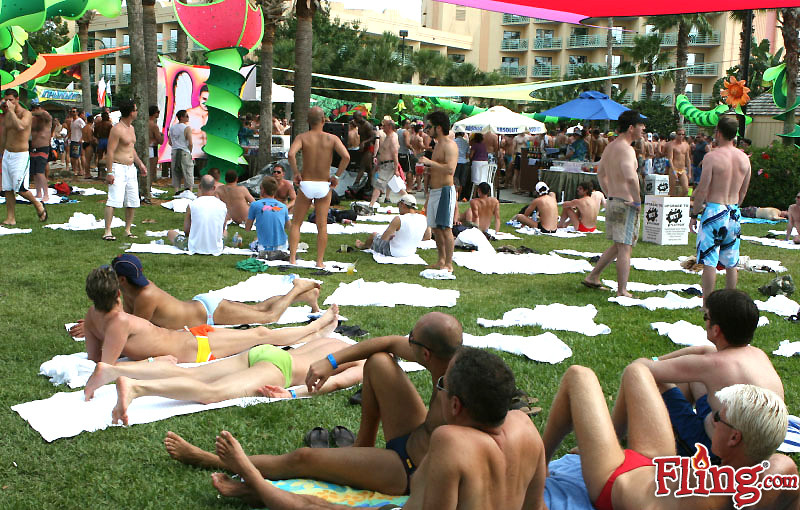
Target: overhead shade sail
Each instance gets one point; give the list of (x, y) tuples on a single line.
[(49, 62)]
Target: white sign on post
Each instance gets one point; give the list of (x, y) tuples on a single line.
[(656, 184), (666, 220)]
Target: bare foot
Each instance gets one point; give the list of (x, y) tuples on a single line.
[(229, 487), (124, 398), (102, 375), (8, 223), (184, 451), (360, 245), (310, 297), (624, 293), (232, 455), (437, 267), (328, 322), (303, 285)]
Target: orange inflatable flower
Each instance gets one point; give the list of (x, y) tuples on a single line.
[(735, 93)]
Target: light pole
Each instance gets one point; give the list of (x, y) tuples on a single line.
[(403, 34)]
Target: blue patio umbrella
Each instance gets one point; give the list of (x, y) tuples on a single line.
[(590, 105)]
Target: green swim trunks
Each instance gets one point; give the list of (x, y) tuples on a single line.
[(271, 354)]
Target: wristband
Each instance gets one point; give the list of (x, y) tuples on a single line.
[(654, 358), (293, 394), (150, 360), (333, 361)]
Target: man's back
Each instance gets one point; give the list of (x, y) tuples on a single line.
[(485, 208), (116, 333), (271, 217), (618, 170), (162, 309), (730, 175), (588, 208), (739, 365), (504, 469), (548, 211), (492, 142), (235, 198), (208, 223), (317, 147)]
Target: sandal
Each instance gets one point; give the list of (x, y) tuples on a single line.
[(342, 437), (109, 238), (132, 236), (43, 214), (317, 438), (594, 286)]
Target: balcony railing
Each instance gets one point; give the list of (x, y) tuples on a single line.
[(542, 20), (711, 69), (513, 19), (126, 52), (514, 71), (514, 45), (657, 96), (627, 98), (547, 43), (587, 41), (624, 40), (545, 71), (698, 98), (572, 69), (124, 78), (671, 39)]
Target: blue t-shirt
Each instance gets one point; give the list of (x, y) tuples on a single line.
[(270, 216)]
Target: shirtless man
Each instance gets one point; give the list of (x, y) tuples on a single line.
[(285, 192), (316, 181), (442, 197), (262, 370), (483, 208), (507, 145), (353, 139), (649, 154), (417, 150), (89, 144), (620, 183), (677, 153), (794, 220), (690, 378), (41, 129), (123, 187), (598, 145), (76, 125), (214, 173), (102, 129), (388, 161), (366, 146), (156, 137), (277, 128), (582, 212), (14, 137), (561, 138), (722, 188), (492, 142), (111, 332), (545, 206), (483, 457), (519, 141), (237, 198)]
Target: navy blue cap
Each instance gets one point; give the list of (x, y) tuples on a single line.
[(130, 267)]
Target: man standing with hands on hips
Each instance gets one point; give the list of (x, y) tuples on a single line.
[(123, 186)]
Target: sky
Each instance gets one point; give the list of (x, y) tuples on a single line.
[(410, 9)]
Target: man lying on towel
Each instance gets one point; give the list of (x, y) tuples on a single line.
[(484, 456), (582, 212), (401, 237), (749, 425), (690, 378), (143, 298), (388, 398), (111, 332), (264, 369)]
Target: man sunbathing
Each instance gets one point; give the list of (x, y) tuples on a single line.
[(749, 426), (388, 398), (582, 212), (690, 378), (545, 206), (111, 332), (264, 368), (483, 457), (401, 237)]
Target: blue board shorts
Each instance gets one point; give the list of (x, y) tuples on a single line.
[(718, 235), (688, 423)]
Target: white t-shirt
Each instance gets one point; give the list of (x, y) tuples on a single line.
[(208, 222), (177, 137), (76, 130), (408, 236)]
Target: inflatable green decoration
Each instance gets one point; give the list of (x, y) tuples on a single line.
[(426, 105), (31, 14), (777, 75), (228, 29), (705, 118)]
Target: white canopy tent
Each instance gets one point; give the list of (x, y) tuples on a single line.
[(279, 94), (499, 120)]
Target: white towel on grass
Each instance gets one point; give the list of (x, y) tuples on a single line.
[(640, 263), (4, 231), (502, 236), (526, 263), (579, 319), (561, 232), (686, 333), (776, 243), (671, 301), (258, 288), (337, 228), (546, 347), (782, 233), (362, 293), (584, 254), (387, 209), (474, 237), (414, 260), (648, 287), (156, 233), (787, 349), (780, 305), (330, 265), (88, 191), (168, 249), (81, 221), (377, 218), (430, 244), (437, 274), (178, 205), (53, 198)]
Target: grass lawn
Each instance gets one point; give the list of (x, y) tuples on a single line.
[(43, 276)]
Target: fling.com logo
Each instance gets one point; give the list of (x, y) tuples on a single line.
[(742, 483)]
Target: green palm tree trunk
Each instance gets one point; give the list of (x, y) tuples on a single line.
[(789, 28)]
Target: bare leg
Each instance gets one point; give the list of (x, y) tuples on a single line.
[(11, 206), (438, 236), (321, 207), (376, 193), (187, 453), (109, 215), (366, 245), (41, 186), (731, 277), (623, 268), (270, 310), (574, 220), (27, 195), (447, 235), (708, 279), (606, 258), (526, 220), (673, 183), (684, 184), (301, 207), (128, 219)]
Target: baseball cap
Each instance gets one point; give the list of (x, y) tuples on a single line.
[(409, 201), (130, 267), (542, 188)]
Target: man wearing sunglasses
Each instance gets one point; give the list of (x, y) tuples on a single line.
[(285, 192), (690, 378), (484, 457), (794, 220), (389, 398)]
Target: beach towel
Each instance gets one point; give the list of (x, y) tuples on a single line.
[(579, 319), (584, 254), (88, 191), (792, 442), (502, 236), (564, 488), (53, 198), (339, 494), (787, 349), (168, 249), (473, 237), (5, 231), (330, 265), (258, 288), (648, 287), (546, 348), (377, 218), (437, 274), (177, 205), (430, 244), (561, 232), (337, 228), (760, 220), (527, 263), (362, 293), (782, 233), (776, 243), (779, 305), (671, 301), (682, 333), (81, 221), (414, 259)]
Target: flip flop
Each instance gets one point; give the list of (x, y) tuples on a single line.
[(132, 236), (43, 214), (109, 238), (594, 286), (342, 437), (317, 438), (355, 398)]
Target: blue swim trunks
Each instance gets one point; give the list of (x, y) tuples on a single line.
[(688, 423), (210, 303), (718, 235), (398, 445)]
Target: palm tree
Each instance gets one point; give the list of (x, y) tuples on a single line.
[(684, 22), (789, 28), (380, 60), (646, 50), (139, 85), (430, 65), (83, 36), (304, 11), (182, 47), (275, 12), (150, 51)]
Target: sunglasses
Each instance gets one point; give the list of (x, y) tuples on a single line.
[(706, 318), (440, 384), (414, 342), (717, 419)]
